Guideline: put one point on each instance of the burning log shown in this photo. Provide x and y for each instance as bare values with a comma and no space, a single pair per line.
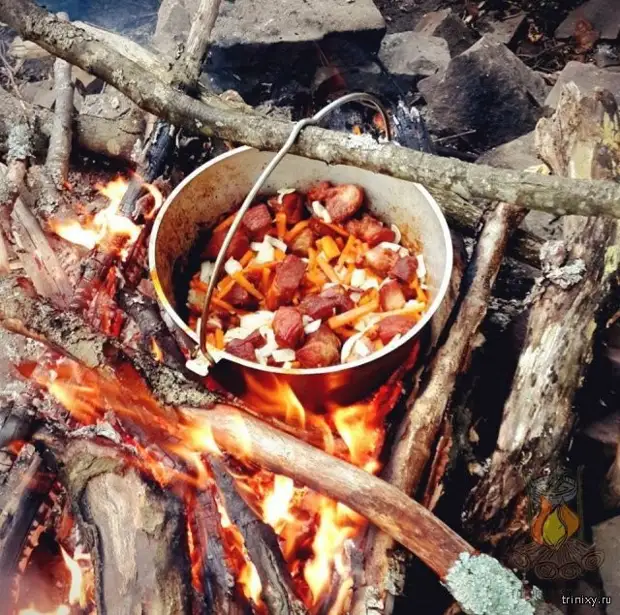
562,325
261,543
469,181
138,543
21,496
59,148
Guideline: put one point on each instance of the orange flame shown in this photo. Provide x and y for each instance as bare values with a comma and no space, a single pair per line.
61,610
157,352
77,593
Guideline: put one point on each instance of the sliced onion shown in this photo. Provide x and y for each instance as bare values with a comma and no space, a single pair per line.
330,285
358,278
196,297
283,192
403,252
397,234
265,252
200,365
206,271
232,266
321,212
278,244
388,245
347,347
421,267
287,365
370,283
313,326
361,348
237,333
283,354
355,297
256,320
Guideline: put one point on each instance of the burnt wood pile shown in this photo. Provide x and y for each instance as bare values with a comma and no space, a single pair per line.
147,475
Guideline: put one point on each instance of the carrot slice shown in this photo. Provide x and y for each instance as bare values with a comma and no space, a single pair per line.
211,339
225,223
281,224
246,258
280,256
219,339
336,228
247,285
225,289
264,280
349,274
222,305
296,230
329,247
347,251
340,320
328,270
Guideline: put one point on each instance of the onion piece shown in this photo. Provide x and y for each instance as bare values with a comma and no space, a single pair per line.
355,297
232,266
206,271
347,347
278,244
313,326
321,212
388,245
237,333
200,365
287,365
397,234
421,267
256,320
283,192
370,283
265,252
283,354
358,278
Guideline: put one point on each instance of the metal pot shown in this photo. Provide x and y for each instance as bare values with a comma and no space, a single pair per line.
211,191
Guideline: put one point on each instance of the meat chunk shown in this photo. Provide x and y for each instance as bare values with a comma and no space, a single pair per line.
303,242
239,245
291,204
394,325
370,230
288,327
287,280
256,222
321,229
322,349
256,339
319,307
404,269
380,259
243,349
341,202
241,298
391,296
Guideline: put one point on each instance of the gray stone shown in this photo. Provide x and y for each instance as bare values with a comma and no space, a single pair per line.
410,56
519,154
587,77
489,91
603,15
450,27
607,538
248,33
506,30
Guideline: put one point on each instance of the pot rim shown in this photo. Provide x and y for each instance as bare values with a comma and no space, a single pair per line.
341,367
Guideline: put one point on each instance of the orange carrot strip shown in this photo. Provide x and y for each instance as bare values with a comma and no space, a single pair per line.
246,258
336,228
328,270
211,339
222,305
281,224
340,320
406,311
219,338
345,332
225,223
339,242
349,274
264,281
329,247
222,292
280,256
348,250
311,258
296,230
247,285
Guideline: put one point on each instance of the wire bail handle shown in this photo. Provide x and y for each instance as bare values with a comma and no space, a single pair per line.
362,97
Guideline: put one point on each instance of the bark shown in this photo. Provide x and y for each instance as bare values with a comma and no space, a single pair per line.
134,531
427,405
21,496
64,331
5,264
581,139
214,118
262,546
59,148
409,523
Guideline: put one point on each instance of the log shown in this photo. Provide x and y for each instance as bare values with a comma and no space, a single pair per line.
563,322
134,531
59,148
262,546
427,405
551,194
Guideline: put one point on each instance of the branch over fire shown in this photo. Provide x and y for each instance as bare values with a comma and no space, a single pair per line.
215,118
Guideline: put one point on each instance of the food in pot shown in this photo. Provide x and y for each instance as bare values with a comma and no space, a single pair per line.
311,280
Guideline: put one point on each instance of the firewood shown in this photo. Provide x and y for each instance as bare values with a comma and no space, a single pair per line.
261,543
5,263
21,496
138,544
563,321
551,194
59,148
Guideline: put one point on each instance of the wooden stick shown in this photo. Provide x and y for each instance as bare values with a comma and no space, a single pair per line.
562,324
59,148
550,194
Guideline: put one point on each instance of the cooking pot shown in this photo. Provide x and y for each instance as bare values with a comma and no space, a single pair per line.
219,186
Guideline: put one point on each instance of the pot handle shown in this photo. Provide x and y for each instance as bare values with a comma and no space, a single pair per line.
362,97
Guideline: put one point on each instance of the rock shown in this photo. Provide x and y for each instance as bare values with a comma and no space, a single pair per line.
587,77
409,56
450,27
506,30
41,93
607,538
519,154
280,31
486,89
602,15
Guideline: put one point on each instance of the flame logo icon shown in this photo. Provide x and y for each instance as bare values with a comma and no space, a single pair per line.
554,525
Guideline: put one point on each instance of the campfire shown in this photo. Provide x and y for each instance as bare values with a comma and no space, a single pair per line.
136,475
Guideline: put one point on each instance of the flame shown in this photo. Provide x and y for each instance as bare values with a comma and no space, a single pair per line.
107,228
554,526
61,610
156,351
77,595
250,582
276,504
